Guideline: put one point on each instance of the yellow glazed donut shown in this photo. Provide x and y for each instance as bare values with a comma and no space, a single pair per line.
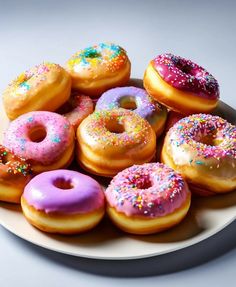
109,141
99,68
44,87
181,85
203,149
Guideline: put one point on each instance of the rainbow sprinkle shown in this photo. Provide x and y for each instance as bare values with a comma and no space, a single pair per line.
191,133
151,190
185,75
137,130
31,78
112,57
12,163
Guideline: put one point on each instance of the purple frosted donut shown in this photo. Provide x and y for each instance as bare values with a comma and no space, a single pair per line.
135,99
63,201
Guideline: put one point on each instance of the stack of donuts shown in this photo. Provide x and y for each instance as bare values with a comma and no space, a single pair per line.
73,126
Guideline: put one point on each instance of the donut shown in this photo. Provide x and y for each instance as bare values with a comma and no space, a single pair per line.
203,149
44,87
181,85
109,141
148,198
15,173
45,139
137,100
63,201
76,109
99,68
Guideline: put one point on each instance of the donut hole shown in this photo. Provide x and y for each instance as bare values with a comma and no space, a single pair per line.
184,68
143,182
128,103
63,183
37,134
210,139
113,126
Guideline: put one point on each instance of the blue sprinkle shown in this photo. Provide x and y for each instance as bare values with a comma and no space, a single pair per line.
56,139
25,85
30,120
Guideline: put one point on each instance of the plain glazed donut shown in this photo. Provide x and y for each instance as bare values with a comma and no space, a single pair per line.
99,68
15,173
109,141
181,85
45,139
148,198
76,109
203,149
137,100
44,87
63,201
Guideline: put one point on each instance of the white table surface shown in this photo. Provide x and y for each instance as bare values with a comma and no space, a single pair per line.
36,31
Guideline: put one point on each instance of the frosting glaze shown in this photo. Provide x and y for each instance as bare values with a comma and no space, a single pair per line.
151,190
32,78
112,57
58,136
206,142
84,195
136,130
121,97
185,75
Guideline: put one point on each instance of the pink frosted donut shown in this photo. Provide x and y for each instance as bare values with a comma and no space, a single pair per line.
45,139
147,198
63,201
76,109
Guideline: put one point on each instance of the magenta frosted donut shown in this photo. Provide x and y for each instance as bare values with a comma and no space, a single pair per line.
181,84
138,101
147,198
63,201
45,139
203,149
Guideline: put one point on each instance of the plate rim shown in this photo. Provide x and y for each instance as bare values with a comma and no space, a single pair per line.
189,243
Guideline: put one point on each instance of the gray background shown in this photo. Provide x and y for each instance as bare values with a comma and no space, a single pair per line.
35,31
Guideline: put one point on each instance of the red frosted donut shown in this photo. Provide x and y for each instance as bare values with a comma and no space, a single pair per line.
181,85
77,108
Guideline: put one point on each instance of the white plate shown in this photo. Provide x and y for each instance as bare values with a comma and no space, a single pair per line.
207,216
